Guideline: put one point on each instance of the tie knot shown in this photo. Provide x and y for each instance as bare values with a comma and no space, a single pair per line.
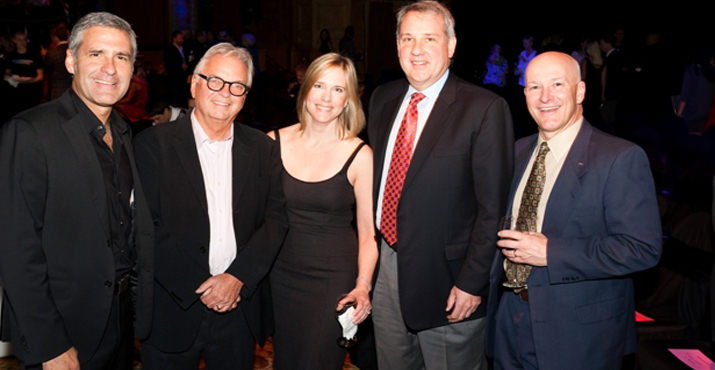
543,148
416,98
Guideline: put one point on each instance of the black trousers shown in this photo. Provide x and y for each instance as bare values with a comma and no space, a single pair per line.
224,341
116,348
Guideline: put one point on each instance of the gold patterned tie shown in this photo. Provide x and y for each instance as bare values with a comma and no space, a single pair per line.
517,274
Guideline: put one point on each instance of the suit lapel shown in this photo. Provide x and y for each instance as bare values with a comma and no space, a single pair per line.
521,161
568,185
79,137
185,147
434,127
392,106
241,162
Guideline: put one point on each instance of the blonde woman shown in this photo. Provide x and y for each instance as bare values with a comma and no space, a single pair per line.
330,248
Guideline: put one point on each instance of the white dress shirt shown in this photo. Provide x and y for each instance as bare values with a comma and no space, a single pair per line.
216,167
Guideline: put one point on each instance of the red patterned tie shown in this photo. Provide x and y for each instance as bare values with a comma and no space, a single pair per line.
399,163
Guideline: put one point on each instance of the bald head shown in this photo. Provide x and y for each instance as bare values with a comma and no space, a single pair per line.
567,63
554,92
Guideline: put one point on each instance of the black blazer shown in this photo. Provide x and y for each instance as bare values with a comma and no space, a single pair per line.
174,61
170,169
454,194
56,267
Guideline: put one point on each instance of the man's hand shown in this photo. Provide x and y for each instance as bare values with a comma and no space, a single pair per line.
66,361
462,304
220,292
528,248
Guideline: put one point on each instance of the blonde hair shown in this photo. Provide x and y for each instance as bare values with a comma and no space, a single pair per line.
352,119
594,52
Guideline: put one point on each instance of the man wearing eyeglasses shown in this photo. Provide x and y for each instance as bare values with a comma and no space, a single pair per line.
216,200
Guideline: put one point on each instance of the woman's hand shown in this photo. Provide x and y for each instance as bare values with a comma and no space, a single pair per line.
361,296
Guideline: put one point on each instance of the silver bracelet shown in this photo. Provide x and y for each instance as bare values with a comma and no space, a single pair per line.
369,283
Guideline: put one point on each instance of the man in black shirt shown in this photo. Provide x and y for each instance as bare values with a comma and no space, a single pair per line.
75,223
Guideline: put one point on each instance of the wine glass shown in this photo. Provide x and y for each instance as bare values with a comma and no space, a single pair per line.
344,315
516,273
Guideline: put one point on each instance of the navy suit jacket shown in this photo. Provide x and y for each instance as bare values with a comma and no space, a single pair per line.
602,224
453,196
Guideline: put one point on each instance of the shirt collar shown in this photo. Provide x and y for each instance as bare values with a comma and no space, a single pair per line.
92,123
174,113
560,144
433,91
200,135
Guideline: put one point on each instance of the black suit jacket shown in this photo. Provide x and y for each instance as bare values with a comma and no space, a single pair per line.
615,75
454,194
169,167
174,61
57,265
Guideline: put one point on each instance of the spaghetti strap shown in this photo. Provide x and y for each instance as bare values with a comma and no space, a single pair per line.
352,156
278,137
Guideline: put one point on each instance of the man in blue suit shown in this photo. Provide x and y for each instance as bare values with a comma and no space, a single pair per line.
589,202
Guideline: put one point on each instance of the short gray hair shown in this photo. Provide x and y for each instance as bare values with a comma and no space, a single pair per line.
100,19
424,7
228,50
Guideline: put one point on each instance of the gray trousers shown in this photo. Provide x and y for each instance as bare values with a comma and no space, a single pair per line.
458,346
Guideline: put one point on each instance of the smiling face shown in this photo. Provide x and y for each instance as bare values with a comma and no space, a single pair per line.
327,97
554,92
102,68
219,108
423,48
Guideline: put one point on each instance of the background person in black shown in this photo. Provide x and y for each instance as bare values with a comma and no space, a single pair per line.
57,79
23,71
177,69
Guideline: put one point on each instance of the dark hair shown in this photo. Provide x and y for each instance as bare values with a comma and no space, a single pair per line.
608,38
156,107
60,31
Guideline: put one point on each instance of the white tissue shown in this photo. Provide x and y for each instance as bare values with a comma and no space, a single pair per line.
346,321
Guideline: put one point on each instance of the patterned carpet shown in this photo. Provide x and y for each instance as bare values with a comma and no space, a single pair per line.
263,361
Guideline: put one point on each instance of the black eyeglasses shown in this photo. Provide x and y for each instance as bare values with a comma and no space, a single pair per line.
216,84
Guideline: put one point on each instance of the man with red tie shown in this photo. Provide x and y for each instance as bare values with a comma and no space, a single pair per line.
443,162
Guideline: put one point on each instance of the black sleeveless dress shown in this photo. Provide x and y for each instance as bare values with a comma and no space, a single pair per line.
318,263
